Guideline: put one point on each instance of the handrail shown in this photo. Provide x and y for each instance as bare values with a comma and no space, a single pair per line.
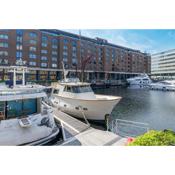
130,121
127,128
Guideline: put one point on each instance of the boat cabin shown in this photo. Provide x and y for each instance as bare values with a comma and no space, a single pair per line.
73,90
19,103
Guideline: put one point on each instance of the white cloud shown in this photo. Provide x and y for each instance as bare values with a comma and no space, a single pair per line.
126,38
135,41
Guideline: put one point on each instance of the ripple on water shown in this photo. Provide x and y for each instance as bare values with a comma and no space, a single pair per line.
157,108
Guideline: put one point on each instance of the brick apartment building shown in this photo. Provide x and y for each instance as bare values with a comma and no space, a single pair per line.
45,50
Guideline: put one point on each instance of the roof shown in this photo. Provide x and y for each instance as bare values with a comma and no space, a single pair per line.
96,40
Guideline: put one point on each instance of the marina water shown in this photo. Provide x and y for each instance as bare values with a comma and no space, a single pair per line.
157,108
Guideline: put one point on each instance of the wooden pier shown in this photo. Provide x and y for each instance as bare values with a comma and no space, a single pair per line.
78,133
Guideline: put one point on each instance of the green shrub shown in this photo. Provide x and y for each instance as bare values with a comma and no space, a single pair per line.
155,138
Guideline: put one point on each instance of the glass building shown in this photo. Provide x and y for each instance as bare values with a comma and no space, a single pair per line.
163,65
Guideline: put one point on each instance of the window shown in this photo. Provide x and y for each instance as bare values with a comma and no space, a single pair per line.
43,64
44,44
19,32
4,61
54,41
74,61
54,65
3,36
54,53
44,51
4,45
56,91
74,48
54,58
65,59
65,41
44,39
3,53
33,42
74,54
44,58
20,108
31,63
18,54
33,56
65,47
74,43
78,89
32,49
32,34
19,39
19,46
65,53
54,47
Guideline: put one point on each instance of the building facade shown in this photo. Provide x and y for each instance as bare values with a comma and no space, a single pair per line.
45,50
163,65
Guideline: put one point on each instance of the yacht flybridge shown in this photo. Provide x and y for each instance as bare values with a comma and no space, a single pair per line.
23,118
77,99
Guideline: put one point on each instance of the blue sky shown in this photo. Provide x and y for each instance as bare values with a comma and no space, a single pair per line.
151,41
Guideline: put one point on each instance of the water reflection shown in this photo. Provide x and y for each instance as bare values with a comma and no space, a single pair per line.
143,105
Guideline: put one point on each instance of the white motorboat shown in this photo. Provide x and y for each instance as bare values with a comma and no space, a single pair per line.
77,99
143,79
23,118
166,85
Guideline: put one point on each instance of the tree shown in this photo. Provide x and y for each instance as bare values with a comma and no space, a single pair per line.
84,63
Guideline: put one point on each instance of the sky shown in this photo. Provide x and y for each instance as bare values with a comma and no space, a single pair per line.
147,40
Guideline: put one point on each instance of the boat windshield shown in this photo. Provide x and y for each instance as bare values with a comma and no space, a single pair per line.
78,89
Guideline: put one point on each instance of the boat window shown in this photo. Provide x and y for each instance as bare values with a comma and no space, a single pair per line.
145,79
67,89
56,91
21,108
75,89
138,79
81,89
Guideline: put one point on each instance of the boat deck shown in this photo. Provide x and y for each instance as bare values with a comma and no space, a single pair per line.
77,133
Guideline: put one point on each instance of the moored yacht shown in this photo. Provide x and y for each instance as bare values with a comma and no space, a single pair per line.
166,85
143,79
23,118
77,99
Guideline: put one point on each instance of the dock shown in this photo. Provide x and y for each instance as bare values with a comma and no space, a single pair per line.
77,133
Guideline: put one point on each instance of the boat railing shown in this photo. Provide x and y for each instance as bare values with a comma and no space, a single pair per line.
18,92
127,128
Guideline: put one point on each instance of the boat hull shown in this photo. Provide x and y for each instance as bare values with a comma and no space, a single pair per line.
93,109
162,87
45,140
42,130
